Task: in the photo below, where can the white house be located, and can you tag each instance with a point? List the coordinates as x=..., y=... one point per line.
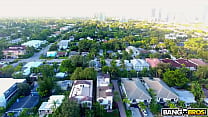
x=128, y=65
x=135, y=91
x=29, y=65
x=34, y=43
x=82, y=92
x=8, y=88
x=133, y=49
x=170, y=36
x=104, y=91
x=139, y=64
x=48, y=107
x=63, y=44
x=162, y=91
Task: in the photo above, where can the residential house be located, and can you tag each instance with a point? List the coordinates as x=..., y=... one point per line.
x=133, y=49
x=48, y=107
x=61, y=54
x=82, y=92
x=63, y=44
x=26, y=68
x=51, y=54
x=172, y=63
x=198, y=62
x=8, y=88
x=104, y=91
x=153, y=62
x=61, y=75
x=65, y=85
x=163, y=91
x=185, y=96
x=187, y=64
x=135, y=91
x=139, y=64
x=14, y=52
x=35, y=43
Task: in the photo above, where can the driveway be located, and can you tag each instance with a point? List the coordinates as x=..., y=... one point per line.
x=120, y=103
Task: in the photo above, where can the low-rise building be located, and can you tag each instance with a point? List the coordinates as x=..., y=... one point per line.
x=63, y=44
x=104, y=91
x=8, y=88
x=172, y=63
x=198, y=62
x=61, y=75
x=187, y=64
x=65, y=85
x=14, y=52
x=185, y=96
x=139, y=64
x=34, y=43
x=48, y=107
x=82, y=92
x=163, y=91
x=133, y=49
x=26, y=68
x=153, y=62
x=51, y=54
x=135, y=91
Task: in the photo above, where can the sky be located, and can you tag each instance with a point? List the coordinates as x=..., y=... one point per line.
x=123, y=8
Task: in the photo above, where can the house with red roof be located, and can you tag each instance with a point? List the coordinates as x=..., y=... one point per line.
x=187, y=64
x=172, y=63
x=153, y=62
x=198, y=62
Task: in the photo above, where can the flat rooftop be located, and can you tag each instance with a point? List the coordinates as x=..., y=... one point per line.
x=6, y=83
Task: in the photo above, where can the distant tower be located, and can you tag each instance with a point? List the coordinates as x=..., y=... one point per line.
x=153, y=13
x=159, y=15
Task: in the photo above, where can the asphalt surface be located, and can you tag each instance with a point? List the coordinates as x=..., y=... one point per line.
x=120, y=103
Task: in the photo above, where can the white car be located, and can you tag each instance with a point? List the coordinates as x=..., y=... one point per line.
x=144, y=113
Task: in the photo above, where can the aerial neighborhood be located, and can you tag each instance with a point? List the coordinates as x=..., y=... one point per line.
x=95, y=68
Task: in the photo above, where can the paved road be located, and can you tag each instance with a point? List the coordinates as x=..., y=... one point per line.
x=35, y=57
x=120, y=103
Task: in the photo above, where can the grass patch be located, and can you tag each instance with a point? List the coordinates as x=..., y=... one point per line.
x=115, y=113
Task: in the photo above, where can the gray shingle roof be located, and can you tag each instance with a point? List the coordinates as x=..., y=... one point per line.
x=135, y=89
x=161, y=89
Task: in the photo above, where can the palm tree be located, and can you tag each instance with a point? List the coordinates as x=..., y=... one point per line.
x=54, y=106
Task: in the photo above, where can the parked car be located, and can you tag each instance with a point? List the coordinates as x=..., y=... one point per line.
x=144, y=112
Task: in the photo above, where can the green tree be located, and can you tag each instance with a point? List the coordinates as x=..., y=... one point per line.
x=24, y=89
x=63, y=110
x=66, y=66
x=77, y=75
x=202, y=72
x=196, y=89
x=175, y=78
x=7, y=71
x=45, y=86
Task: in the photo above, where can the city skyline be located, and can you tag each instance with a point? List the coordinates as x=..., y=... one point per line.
x=181, y=10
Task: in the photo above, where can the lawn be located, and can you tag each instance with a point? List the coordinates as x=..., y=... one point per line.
x=115, y=113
